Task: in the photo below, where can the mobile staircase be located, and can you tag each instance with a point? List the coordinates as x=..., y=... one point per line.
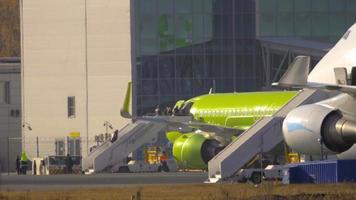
x=111, y=156
x=261, y=137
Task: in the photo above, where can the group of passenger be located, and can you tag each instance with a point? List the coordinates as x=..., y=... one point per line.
x=168, y=111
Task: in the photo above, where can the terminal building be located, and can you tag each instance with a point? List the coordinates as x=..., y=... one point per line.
x=10, y=112
x=78, y=56
x=76, y=64
x=182, y=48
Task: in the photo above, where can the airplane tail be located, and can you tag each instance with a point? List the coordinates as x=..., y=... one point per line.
x=297, y=73
x=125, y=110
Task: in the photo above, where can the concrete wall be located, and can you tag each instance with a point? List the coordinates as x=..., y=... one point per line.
x=75, y=48
x=10, y=117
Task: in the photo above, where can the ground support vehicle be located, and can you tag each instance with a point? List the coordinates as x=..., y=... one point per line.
x=256, y=175
x=52, y=165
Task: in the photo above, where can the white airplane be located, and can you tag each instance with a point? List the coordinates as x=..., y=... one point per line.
x=328, y=126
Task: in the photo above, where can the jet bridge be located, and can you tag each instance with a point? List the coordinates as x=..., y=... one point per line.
x=263, y=136
x=110, y=156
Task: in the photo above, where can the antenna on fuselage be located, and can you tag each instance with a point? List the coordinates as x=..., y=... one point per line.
x=214, y=86
x=212, y=90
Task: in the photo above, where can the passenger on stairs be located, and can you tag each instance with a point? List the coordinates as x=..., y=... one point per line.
x=114, y=137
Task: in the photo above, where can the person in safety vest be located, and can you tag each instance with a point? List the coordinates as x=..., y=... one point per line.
x=163, y=160
x=23, y=162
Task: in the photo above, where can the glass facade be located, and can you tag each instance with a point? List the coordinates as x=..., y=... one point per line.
x=182, y=48
x=318, y=20
x=185, y=47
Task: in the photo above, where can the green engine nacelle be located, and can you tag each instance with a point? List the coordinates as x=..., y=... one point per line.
x=193, y=151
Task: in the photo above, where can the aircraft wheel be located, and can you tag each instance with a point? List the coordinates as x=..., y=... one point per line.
x=256, y=177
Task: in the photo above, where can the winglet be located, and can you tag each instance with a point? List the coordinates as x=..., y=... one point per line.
x=297, y=73
x=125, y=110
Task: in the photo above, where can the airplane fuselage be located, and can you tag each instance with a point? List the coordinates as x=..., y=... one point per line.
x=237, y=110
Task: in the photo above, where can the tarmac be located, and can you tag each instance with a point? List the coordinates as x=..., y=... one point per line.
x=31, y=182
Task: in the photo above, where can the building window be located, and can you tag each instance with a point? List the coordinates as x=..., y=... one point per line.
x=15, y=113
x=4, y=92
x=71, y=107
x=74, y=146
x=60, y=147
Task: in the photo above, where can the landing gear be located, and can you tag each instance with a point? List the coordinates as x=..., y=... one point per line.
x=256, y=177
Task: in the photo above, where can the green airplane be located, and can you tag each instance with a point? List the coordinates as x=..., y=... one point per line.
x=217, y=120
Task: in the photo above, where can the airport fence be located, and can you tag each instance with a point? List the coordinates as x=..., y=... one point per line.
x=11, y=147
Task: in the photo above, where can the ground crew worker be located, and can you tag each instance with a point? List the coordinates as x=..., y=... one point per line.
x=34, y=167
x=157, y=110
x=18, y=169
x=163, y=160
x=23, y=162
x=42, y=167
x=69, y=164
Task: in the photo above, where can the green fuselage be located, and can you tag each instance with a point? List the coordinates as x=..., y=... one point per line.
x=237, y=110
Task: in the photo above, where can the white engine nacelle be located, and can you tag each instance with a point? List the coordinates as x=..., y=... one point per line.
x=306, y=127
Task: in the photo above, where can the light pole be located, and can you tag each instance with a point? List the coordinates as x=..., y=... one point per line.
x=28, y=126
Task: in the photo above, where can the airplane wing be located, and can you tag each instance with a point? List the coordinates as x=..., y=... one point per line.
x=170, y=121
x=296, y=76
x=350, y=89
x=186, y=122
x=317, y=86
x=214, y=128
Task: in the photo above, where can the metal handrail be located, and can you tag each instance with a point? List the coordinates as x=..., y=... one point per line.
x=102, y=144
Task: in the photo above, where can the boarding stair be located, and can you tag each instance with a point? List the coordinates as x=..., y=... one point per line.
x=261, y=137
x=111, y=155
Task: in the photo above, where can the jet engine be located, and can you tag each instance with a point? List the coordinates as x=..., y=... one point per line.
x=193, y=151
x=315, y=128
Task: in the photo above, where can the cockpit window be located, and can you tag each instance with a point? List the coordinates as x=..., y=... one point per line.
x=184, y=110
